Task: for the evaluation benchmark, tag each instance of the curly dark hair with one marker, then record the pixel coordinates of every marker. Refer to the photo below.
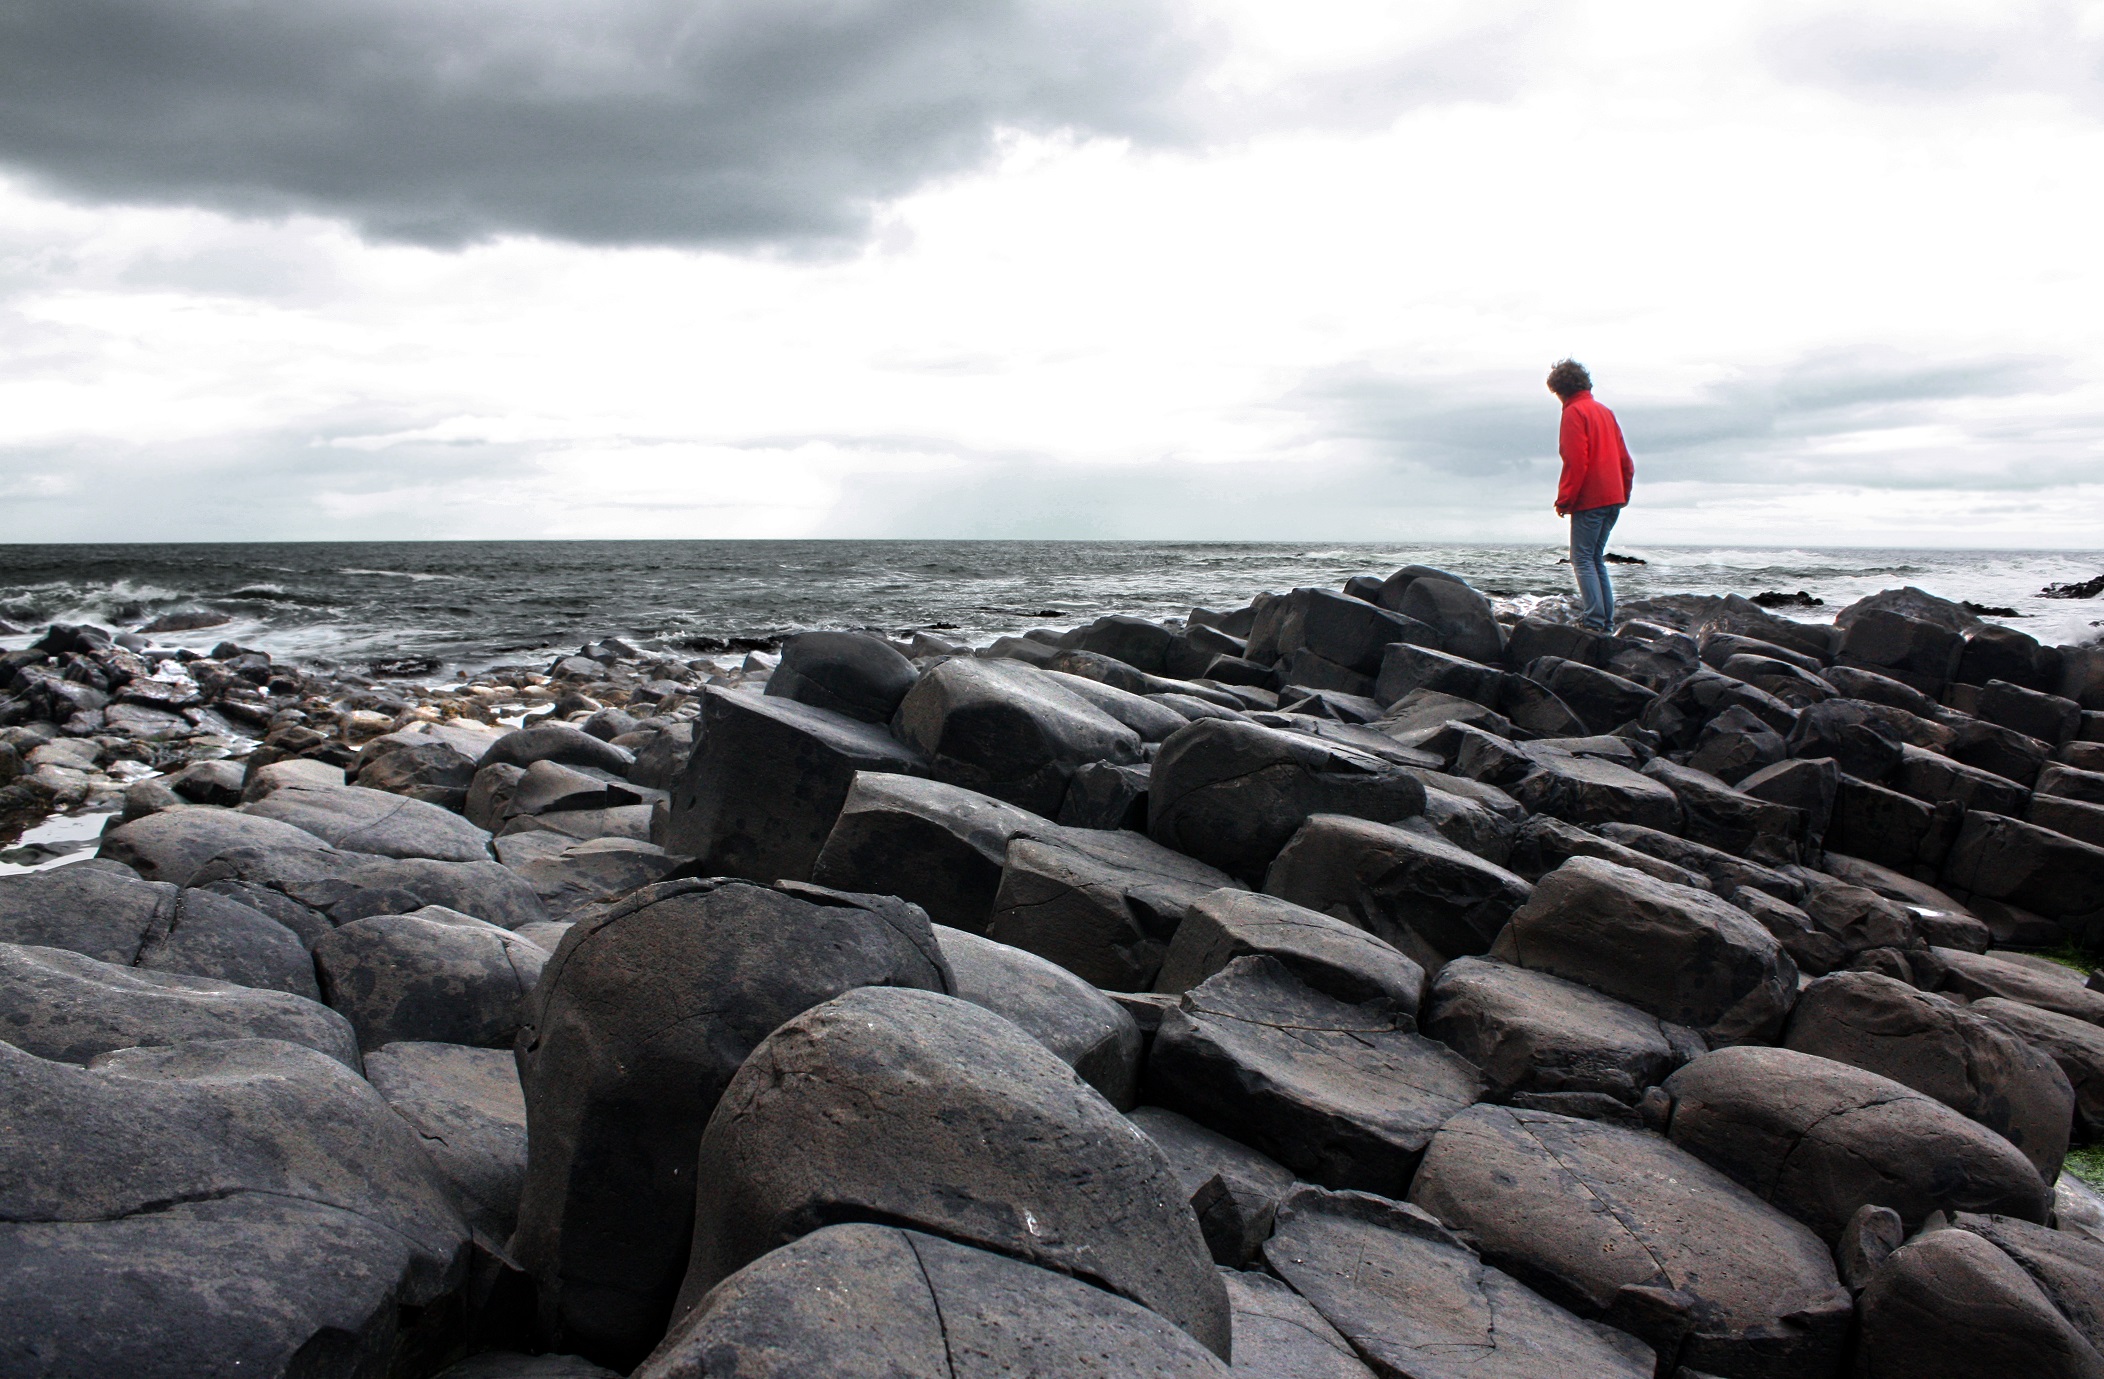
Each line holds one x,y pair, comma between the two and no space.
1568,378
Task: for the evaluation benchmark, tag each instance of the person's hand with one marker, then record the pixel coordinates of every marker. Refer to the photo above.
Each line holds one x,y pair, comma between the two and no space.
1563,512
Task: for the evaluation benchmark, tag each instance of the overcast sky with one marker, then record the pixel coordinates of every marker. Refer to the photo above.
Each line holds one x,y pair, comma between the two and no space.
1252,269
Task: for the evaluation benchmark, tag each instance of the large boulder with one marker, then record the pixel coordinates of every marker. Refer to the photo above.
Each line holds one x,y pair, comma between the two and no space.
1547,1039
1461,616
2032,867
1141,644
567,874
1007,730
1543,844
58,1004
360,820
1913,651
1892,829
1714,814
1101,904
1588,790
424,769
1415,1300
1233,1189
1231,794
1345,631
1090,1032
940,846
1723,871
767,780
466,1107
1821,1139
1620,1226
1682,955
1334,957
229,1206
1407,669
1345,1095
925,1111
1603,701
435,975
851,673
1934,777
1146,715
641,1018
1413,890
107,913
1950,1304
1735,744
878,1300
1962,1058
1680,711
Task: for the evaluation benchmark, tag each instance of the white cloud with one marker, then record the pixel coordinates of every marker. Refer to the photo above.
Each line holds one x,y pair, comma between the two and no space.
1845,315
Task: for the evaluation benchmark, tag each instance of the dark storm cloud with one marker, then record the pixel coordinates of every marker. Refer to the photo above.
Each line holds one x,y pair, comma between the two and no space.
1494,430
613,121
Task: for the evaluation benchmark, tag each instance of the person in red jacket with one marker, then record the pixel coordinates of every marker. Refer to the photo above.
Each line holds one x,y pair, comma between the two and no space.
1597,477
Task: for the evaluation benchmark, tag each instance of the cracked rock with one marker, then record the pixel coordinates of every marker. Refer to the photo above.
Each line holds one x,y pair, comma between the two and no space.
1623,1227
466,1107
238,1206
1950,1304
1961,1058
1334,957
1278,1335
1233,1189
359,820
1417,1302
1820,1139
61,1005
865,1299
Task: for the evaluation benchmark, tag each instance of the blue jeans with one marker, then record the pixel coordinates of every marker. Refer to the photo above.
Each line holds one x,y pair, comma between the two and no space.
1589,531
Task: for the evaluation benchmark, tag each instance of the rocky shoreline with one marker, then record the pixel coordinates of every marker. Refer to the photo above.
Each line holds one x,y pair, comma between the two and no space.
1358,982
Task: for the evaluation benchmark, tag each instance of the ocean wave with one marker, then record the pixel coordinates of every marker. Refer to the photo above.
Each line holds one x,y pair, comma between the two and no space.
393,574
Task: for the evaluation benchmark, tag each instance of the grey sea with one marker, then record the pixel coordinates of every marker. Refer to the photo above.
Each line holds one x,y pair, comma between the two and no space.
438,607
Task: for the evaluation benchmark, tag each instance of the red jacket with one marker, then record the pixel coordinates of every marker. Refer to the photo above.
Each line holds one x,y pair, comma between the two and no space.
1597,470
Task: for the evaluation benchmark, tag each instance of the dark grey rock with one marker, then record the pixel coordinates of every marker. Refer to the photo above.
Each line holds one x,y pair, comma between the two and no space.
2082,822
567,875
1090,1032
107,913
1407,669
1602,700
58,1004
660,761
549,787
174,844
1342,1094
1104,796
1233,1189
1964,1059
1587,790
1735,744
1332,956
2036,868
1807,785
1933,777
1461,616
1531,1032
940,846
1141,644
875,1300
1007,730
373,821
1868,1240
1820,1139
1724,871
1415,1300
1683,707
1537,709
466,1107
431,771
1346,631
1892,829
1232,794
1911,650
639,1022
1815,951
509,1364
1101,904
1416,891
1682,955
1279,1336
767,780
921,1109
1620,1226
488,803
1790,683
1543,844
2047,717
435,975
1148,717
227,1207
850,673
1991,747
1713,813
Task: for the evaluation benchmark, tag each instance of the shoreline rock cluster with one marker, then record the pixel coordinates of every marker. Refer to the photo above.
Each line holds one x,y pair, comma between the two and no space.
1352,983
